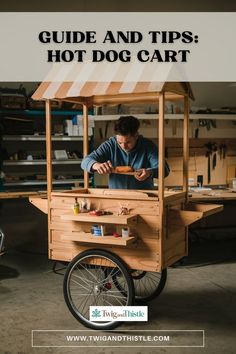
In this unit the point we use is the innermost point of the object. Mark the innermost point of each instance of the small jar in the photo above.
(125, 232)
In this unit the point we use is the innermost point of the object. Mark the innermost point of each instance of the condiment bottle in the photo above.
(76, 207)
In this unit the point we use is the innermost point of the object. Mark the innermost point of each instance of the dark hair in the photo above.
(127, 125)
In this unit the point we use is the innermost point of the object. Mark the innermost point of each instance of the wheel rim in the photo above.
(91, 282)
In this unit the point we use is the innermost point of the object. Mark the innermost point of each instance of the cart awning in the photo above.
(109, 84)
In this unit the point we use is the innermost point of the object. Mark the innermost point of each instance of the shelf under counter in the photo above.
(103, 219)
(86, 237)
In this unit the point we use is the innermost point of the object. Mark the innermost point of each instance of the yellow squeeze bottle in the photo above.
(76, 207)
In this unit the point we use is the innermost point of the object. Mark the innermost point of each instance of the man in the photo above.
(126, 148)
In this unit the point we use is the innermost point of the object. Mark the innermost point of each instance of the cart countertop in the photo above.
(213, 195)
(120, 194)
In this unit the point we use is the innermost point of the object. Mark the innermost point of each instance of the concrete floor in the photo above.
(199, 295)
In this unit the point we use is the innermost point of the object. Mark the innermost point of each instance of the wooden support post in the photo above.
(49, 148)
(49, 168)
(85, 142)
(161, 170)
(186, 146)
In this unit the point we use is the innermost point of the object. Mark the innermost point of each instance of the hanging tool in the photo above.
(174, 127)
(202, 123)
(106, 129)
(214, 158)
(211, 147)
(213, 123)
(100, 133)
(214, 161)
(208, 155)
(223, 149)
(208, 123)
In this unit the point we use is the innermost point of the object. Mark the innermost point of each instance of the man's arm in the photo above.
(143, 173)
(153, 160)
(98, 160)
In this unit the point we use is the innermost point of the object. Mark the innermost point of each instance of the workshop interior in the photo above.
(46, 239)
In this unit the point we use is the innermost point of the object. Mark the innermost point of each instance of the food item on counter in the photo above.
(115, 234)
(96, 212)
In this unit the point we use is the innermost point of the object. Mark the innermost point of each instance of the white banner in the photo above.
(197, 46)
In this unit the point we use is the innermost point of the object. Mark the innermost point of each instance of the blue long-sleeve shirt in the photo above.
(143, 155)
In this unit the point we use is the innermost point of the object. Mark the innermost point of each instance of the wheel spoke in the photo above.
(79, 285)
(83, 279)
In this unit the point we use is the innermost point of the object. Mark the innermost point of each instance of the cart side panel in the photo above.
(175, 245)
(175, 241)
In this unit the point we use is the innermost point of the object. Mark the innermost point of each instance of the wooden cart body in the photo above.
(158, 219)
(145, 249)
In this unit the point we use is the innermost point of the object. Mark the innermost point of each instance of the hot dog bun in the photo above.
(123, 169)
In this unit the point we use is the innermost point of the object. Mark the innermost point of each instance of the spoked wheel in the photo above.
(147, 285)
(90, 281)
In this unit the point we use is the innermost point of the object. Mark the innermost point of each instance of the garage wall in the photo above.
(224, 133)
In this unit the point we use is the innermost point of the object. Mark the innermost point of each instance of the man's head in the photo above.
(126, 130)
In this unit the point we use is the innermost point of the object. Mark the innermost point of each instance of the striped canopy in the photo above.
(113, 83)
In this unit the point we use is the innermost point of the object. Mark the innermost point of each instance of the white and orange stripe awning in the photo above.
(112, 83)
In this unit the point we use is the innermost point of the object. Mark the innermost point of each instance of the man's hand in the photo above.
(142, 174)
(103, 168)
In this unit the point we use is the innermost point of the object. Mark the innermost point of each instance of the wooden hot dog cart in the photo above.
(107, 270)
